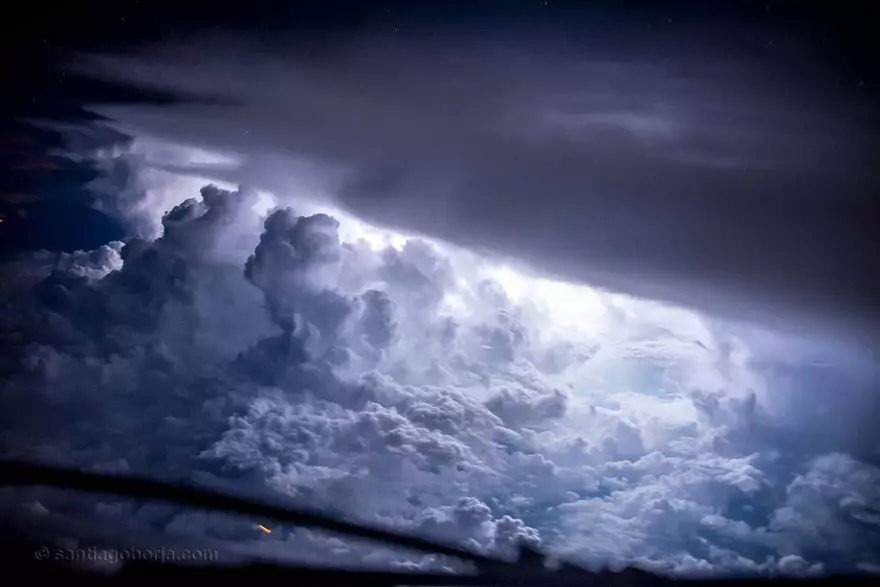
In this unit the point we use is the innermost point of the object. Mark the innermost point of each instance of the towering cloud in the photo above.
(729, 180)
(426, 388)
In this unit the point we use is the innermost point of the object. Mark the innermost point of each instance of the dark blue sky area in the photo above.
(44, 200)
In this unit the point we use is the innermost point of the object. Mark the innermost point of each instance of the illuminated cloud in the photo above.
(415, 384)
(711, 178)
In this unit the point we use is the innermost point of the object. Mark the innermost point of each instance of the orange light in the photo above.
(264, 529)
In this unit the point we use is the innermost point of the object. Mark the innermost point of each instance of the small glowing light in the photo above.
(263, 529)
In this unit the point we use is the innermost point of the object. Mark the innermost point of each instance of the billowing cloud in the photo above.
(428, 388)
(733, 184)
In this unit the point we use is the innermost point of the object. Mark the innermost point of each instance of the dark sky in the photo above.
(799, 231)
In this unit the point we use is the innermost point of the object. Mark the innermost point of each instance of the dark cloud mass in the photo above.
(410, 385)
(727, 180)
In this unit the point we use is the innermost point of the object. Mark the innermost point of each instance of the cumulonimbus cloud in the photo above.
(423, 387)
(731, 185)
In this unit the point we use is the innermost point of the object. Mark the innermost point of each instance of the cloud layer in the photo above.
(731, 184)
(428, 388)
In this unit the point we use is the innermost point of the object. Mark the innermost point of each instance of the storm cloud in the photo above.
(426, 387)
(607, 293)
(719, 180)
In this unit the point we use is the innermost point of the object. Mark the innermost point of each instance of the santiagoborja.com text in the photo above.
(118, 555)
